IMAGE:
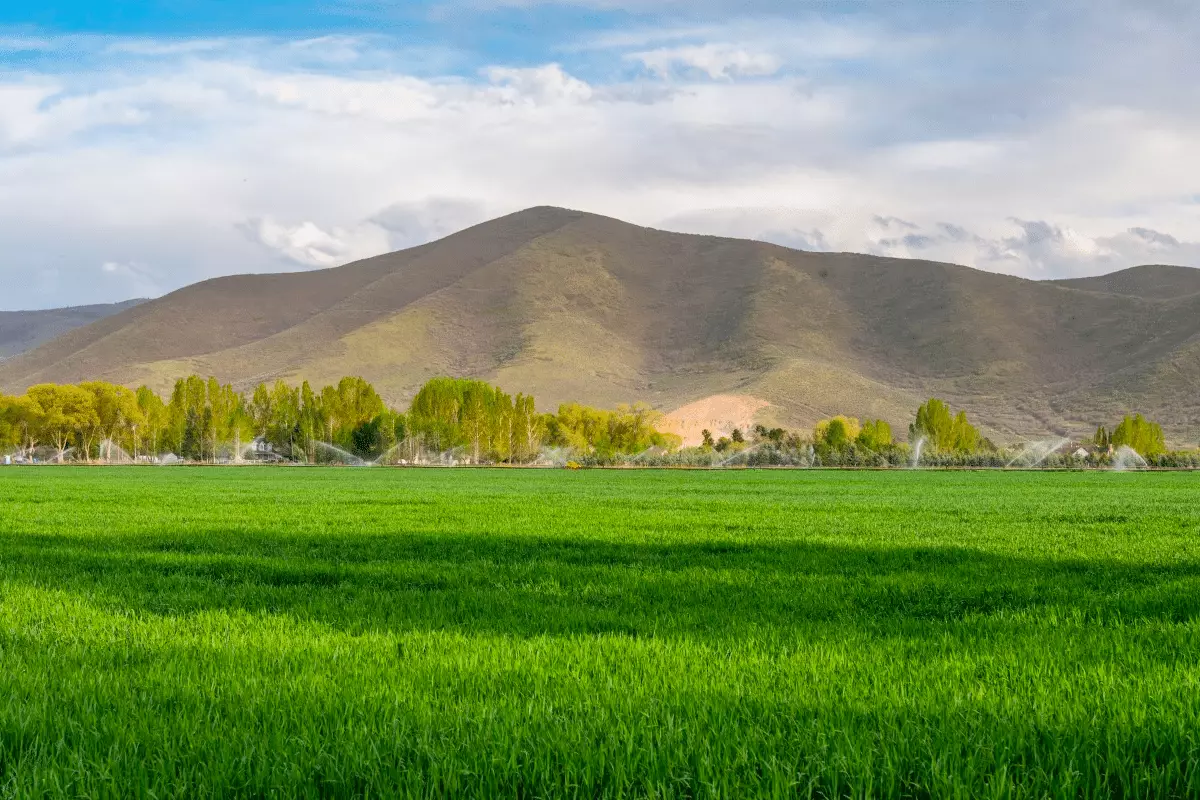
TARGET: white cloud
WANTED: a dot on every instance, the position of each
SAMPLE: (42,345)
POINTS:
(713,60)
(309,245)
(547,84)
(154,47)
(220,157)
(1036,248)
(23,44)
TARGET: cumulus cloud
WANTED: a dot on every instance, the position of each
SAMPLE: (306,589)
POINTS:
(396,227)
(309,245)
(546,84)
(1036,248)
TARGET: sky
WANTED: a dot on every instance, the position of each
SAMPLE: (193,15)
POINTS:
(145,146)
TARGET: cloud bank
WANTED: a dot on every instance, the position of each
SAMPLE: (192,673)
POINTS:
(1055,145)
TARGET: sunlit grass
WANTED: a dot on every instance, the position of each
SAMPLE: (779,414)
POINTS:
(198,632)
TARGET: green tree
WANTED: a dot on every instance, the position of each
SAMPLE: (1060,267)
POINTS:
(155,419)
(189,428)
(191,446)
(310,422)
(627,429)
(477,412)
(836,432)
(9,428)
(944,431)
(435,413)
(117,416)
(346,406)
(773,435)
(876,435)
(21,423)
(530,428)
(376,437)
(1141,435)
(261,410)
(63,412)
(454,412)
(285,419)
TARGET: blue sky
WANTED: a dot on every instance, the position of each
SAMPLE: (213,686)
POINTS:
(144,146)
(480,32)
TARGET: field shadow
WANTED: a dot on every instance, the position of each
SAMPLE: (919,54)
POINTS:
(527,586)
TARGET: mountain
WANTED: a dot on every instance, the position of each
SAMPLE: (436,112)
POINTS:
(1151,282)
(25,330)
(574,306)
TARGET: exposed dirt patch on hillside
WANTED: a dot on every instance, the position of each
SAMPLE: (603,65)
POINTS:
(719,414)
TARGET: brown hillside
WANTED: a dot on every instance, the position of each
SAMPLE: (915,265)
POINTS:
(1153,281)
(573,306)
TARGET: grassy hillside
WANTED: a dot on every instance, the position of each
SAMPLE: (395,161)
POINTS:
(1155,282)
(573,306)
(25,330)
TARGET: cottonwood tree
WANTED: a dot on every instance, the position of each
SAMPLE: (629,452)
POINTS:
(836,432)
(21,423)
(944,431)
(64,411)
(1141,435)
(876,435)
(154,420)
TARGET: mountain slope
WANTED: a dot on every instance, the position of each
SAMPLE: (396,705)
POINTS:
(1152,281)
(573,306)
(25,330)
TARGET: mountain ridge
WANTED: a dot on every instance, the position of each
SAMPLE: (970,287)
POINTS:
(24,330)
(576,306)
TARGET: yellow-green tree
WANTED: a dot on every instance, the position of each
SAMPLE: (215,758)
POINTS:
(627,429)
(875,435)
(63,413)
(943,430)
(836,432)
(117,415)
(10,428)
(530,429)
(148,435)
(25,420)
(1140,434)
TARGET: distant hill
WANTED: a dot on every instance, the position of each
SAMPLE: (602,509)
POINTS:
(25,330)
(1153,282)
(573,306)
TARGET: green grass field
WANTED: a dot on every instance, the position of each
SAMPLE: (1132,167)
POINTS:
(289,632)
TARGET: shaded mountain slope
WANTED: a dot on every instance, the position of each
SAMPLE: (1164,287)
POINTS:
(25,330)
(1152,281)
(573,306)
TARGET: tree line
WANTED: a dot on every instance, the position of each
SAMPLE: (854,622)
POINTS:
(937,436)
(205,421)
